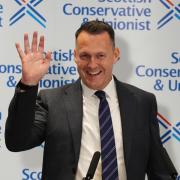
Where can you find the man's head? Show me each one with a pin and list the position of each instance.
(95, 53)
(97, 27)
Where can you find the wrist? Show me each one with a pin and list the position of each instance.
(24, 86)
(28, 83)
(21, 87)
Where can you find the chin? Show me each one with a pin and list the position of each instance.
(94, 86)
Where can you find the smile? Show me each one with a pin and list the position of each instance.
(93, 73)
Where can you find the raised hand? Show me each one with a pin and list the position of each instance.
(35, 62)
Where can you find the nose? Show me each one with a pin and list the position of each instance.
(92, 63)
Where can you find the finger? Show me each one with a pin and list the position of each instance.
(19, 50)
(48, 56)
(26, 43)
(34, 42)
(41, 44)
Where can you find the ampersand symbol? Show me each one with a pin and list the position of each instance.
(11, 82)
(158, 85)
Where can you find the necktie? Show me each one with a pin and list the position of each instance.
(108, 148)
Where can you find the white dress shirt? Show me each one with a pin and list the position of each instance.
(90, 141)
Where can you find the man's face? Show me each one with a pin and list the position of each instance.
(95, 56)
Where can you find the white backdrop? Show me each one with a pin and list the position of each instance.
(146, 33)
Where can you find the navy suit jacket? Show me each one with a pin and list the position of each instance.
(55, 116)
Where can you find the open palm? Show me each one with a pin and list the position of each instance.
(35, 62)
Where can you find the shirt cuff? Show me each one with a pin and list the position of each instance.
(20, 87)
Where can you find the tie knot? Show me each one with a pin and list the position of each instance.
(100, 94)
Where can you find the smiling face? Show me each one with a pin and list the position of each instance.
(95, 56)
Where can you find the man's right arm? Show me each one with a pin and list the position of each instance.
(23, 130)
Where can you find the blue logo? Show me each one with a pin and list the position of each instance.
(1, 12)
(173, 12)
(170, 131)
(27, 7)
(31, 175)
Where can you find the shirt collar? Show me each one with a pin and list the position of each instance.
(110, 90)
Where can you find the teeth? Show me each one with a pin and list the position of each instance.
(94, 73)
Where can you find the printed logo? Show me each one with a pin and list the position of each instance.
(29, 174)
(27, 7)
(173, 12)
(1, 15)
(169, 130)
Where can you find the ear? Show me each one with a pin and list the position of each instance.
(116, 55)
(75, 56)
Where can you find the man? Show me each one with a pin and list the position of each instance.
(67, 118)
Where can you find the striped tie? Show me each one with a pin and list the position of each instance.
(108, 148)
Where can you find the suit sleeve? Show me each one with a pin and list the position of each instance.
(26, 121)
(157, 167)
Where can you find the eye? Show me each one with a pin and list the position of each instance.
(101, 56)
(84, 56)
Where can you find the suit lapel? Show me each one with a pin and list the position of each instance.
(73, 103)
(128, 106)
